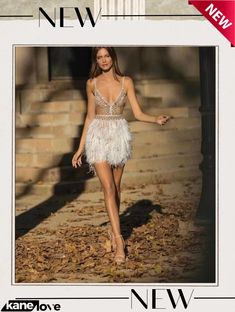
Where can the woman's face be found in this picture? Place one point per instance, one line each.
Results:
(104, 60)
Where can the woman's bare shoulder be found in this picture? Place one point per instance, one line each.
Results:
(127, 78)
(128, 81)
(90, 84)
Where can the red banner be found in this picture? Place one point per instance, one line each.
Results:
(221, 14)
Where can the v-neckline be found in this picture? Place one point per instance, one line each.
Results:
(104, 99)
(107, 102)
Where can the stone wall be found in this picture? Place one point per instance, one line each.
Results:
(168, 63)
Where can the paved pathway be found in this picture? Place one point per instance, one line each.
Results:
(64, 239)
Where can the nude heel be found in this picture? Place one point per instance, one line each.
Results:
(120, 258)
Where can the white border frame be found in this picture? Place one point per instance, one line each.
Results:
(199, 33)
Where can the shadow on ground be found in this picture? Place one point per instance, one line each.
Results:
(137, 215)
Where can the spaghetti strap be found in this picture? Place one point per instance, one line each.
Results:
(95, 85)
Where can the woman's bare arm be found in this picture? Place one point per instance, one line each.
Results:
(89, 117)
(138, 113)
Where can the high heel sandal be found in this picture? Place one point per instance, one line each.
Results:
(120, 258)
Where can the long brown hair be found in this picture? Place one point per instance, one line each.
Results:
(95, 69)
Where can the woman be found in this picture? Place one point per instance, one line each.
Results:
(106, 138)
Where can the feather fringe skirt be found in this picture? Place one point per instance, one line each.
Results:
(108, 140)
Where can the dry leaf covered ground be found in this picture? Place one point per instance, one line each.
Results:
(64, 239)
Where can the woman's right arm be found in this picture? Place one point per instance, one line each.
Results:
(76, 160)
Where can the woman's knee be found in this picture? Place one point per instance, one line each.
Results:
(109, 189)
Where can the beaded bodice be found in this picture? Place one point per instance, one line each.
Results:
(105, 108)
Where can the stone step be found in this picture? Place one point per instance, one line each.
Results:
(174, 148)
(92, 184)
(55, 91)
(173, 93)
(68, 106)
(47, 160)
(53, 107)
(175, 112)
(46, 145)
(40, 160)
(169, 136)
(151, 101)
(165, 163)
(39, 120)
(68, 173)
(145, 138)
(67, 131)
(77, 118)
(41, 94)
(73, 131)
(174, 123)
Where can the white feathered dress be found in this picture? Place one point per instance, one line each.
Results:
(108, 136)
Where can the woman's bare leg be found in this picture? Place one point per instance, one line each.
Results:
(117, 175)
(104, 172)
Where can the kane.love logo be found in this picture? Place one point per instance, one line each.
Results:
(29, 305)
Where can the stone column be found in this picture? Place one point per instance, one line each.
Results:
(32, 65)
(120, 7)
(42, 65)
(25, 65)
(206, 209)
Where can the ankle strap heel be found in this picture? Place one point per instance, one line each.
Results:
(120, 258)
